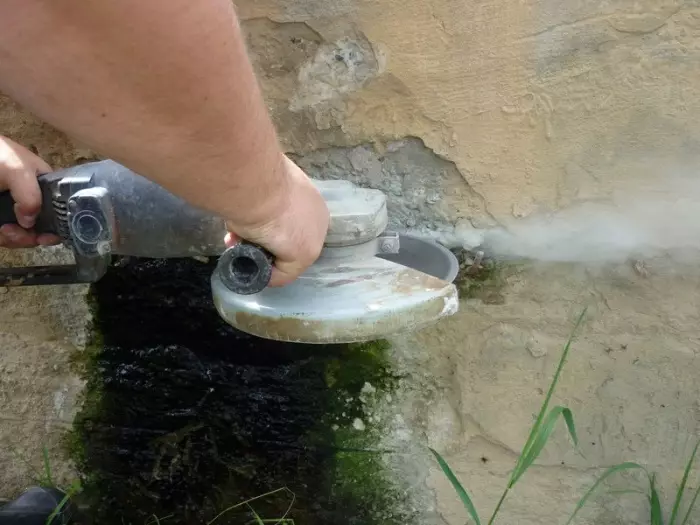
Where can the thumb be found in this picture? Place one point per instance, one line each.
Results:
(284, 273)
(19, 169)
(24, 188)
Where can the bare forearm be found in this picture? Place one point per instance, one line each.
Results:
(162, 86)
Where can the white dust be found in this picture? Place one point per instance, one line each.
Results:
(648, 222)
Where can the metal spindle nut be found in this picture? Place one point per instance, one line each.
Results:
(389, 242)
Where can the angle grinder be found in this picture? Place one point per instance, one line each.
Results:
(350, 294)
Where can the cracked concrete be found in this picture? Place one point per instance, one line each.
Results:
(425, 192)
(481, 112)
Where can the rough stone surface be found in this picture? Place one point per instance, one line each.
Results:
(482, 112)
(629, 381)
(39, 329)
(423, 190)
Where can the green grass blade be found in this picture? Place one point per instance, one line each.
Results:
(283, 520)
(72, 491)
(242, 503)
(560, 366)
(258, 519)
(156, 520)
(622, 492)
(248, 501)
(569, 420)
(37, 477)
(681, 487)
(609, 472)
(545, 405)
(466, 500)
(691, 506)
(275, 521)
(657, 517)
(545, 431)
(47, 466)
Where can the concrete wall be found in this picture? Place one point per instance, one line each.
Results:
(479, 112)
(39, 329)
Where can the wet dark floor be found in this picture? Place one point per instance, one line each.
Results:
(186, 416)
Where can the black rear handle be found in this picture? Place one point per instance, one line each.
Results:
(46, 221)
(245, 268)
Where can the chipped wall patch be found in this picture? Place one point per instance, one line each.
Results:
(335, 70)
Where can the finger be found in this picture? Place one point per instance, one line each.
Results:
(19, 169)
(12, 236)
(26, 217)
(284, 273)
(24, 188)
(41, 166)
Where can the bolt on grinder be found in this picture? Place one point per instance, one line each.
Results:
(352, 293)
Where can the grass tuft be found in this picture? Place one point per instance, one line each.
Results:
(282, 520)
(74, 489)
(609, 472)
(536, 441)
(657, 517)
(46, 480)
(539, 435)
(259, 521)
(155, 520)
(681, 487)
(656, 514)
(691, 506)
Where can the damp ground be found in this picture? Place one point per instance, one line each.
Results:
(184, 416)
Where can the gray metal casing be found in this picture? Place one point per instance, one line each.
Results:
(348, 295)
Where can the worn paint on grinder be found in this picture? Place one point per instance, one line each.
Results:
(351, 293)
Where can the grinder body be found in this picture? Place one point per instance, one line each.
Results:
(102, 209)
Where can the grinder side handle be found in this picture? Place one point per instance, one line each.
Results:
(46, 221)
(245, 268)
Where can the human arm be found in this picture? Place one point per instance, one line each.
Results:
(166, 88)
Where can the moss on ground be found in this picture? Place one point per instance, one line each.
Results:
(184, 416)
(485, 281)
(84, 363)
(359, 382)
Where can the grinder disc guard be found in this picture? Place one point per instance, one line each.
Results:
(355, 291)
(369, 300)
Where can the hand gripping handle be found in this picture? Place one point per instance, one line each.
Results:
(46, 221)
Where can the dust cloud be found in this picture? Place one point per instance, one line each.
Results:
(648, 222)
